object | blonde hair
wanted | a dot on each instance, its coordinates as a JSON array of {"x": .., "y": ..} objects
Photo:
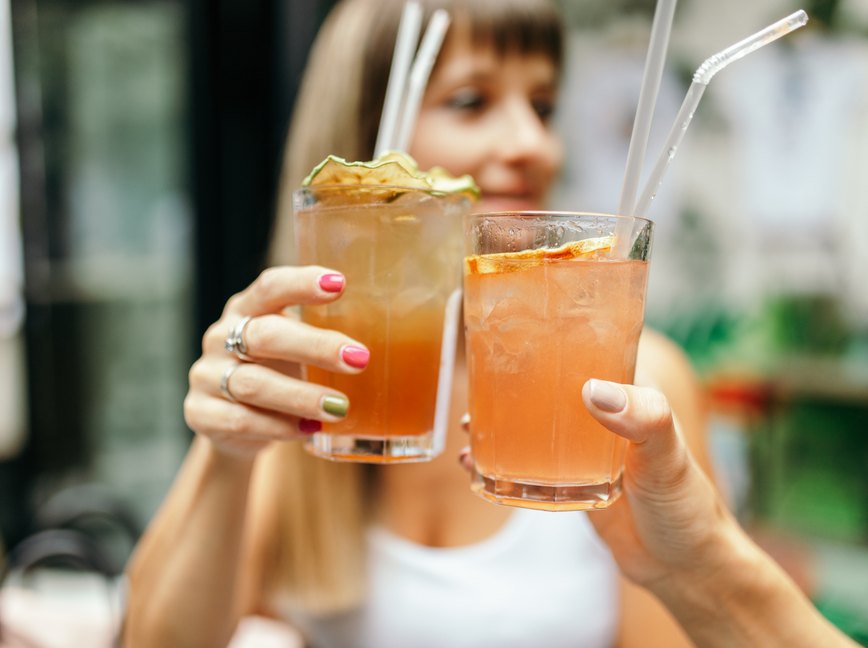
[
  {"x": 319, "y": 508},
  {"x": 342, "y": 91}
]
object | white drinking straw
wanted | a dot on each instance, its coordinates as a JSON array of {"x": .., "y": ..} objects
[
  {"x": 421, "y": 70},
  {"x": 402, "y": 56},
  {"x": 651, "y": 77},
  {"x": 701, "y": 78}
]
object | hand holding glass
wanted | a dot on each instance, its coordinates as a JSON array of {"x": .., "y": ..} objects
[{"x": 549, "y": 304}]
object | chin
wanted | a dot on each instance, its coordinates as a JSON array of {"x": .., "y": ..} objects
[{"x": 507, "y": 203}]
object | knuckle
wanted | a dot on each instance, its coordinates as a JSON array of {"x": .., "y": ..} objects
[
  {"x": 190, "y": 410},
  {"x": 243, "y": 384},
  {"x": 197, "y": 372},
  {"x": 232, "y": 303},
  {"x": 213, "y": 335},
  {"x": 239, "y": 423},
  {"x": 680, "y": 472},
  {"x": 658, "y": 410},
  {"x": 327, "y": 346},
  {"x": 267, "y": 281},
  {"x": 260, "y": 335}
]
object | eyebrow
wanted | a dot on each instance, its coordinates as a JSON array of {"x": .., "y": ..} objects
[{"x": 482, "y": 74}]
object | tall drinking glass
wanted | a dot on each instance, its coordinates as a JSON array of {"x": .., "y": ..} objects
[
  {"x": 400, "y": 250},
  {"x": 550, "y": 301}
]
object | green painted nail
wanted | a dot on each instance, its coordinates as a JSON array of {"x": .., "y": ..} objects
[{"x": 335, "y": 405}]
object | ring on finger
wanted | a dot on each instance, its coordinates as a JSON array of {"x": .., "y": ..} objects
[
  {"x": 235, "y": 340},
  {"x": 224, "y": 382}
]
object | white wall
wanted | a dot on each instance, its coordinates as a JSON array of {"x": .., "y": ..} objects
[{"x": 771, "y": 173}]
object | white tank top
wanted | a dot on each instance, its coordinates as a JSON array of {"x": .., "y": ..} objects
[{"x": 544, "y": 579}]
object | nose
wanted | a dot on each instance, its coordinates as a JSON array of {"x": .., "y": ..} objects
[{"x": 527, "y": 139}]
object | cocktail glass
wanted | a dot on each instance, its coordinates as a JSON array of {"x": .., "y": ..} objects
[
  {"x": 550, "y": 301},
  {"x": 400, "y": 250}
]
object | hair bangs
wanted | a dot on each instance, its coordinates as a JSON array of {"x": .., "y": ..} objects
[{"x": 513, "y": 26}]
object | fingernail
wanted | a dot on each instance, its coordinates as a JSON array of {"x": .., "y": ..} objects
[
  {"x": 607, "y": 396},
  {"x": 355, "y": 356},
  {"x": 309, "y": 426},
  {"x": 335, "y": 405},
  {"x": 332, "y": 282}
]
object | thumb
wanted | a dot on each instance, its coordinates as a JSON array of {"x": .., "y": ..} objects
[
  {"x": 641, "y": 415},
  {"x": 673, "y": 510}
]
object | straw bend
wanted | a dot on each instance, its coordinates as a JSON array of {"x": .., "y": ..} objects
[
  {"x": 714, "y": 64},
  {"x": 703, "y": 75}
]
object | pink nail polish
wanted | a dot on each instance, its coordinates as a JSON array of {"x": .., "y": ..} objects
[
  {"x": 309, "y": 426},
  {"x": 332, "y": 282},
  {"x": 355, "y": 356}
]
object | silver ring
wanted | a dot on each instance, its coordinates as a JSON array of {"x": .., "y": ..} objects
[
  {"x": 224, "y": 381},
  {"x": 235, "y": 340}
]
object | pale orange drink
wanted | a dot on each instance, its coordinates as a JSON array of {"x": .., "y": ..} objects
[
  {"x": 400, "y": 249},
  {"x": 550, "y": 301}
]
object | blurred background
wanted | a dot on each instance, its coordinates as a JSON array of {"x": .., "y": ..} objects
[{"x": 139, "y": 155}]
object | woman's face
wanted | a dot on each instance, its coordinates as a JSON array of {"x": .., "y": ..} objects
[{"x": 489, "y": 116}]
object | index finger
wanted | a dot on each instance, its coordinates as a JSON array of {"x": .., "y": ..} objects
[{"x": 282, "y": 286}]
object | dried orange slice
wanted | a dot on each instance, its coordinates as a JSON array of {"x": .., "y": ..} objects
[
  {"x": 511, "y": 261},
  {"x": 394, "y": 169}
]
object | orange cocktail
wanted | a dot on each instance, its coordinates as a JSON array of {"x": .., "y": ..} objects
[
  {"x": 550, "y": 301},
  {"x": 400, "y": 250}
]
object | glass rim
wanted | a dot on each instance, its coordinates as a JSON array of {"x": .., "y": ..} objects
[
  {"x": 555, "y": 214},
  {"x": 336, "y": 187}
]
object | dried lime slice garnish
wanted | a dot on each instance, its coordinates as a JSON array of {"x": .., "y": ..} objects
[
  {"x": 393, "y": 169},
  {"x": 501, "y": 262}
]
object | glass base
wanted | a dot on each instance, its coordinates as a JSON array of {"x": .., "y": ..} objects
[
  {"x": 396, "y": 449},
  {"x": 547, "y": 497}
]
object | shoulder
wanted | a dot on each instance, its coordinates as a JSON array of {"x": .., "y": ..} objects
[
  {"x": 660, "y": 358},
  {"x": 662, "y": 364}
]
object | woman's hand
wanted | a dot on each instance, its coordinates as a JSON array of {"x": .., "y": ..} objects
[
  {"x": 671, "y": 533},
  {"x": 263, "y": 397},
  {"x": 670, "y": 519},
  {"x": 669, "y": 516}
]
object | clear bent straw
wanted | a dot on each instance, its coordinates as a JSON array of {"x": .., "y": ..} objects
[
  {"x": 651, "y": 77},
  {"x": 402, "y": 57},
  {"x": 701, "y": 78}
]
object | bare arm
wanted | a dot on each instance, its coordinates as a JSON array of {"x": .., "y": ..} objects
[
  {"x": 193, "y": 574},
  {"x": 741, "y": 597},
  {"x": 184, "y": 574},
  {"x": 672, "y": 534}
]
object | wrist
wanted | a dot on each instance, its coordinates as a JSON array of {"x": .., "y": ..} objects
[
  {"x": 232, "y": 449},
  {"x": 723, "y": 583},
  {"x": 229, "y": 460},
  {"x": 739, "y": 596}
]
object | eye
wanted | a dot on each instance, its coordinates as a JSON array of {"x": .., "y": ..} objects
[
  {"x": 468, "y": 100},
  {"x": 544, "y": 108}
]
